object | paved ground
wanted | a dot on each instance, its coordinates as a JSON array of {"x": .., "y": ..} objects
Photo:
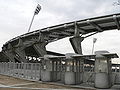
[{"x": 11, "y": 83}]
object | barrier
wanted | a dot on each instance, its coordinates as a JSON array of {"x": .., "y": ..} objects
[
  {"x": 33, "y": 71},
  {"x": 21, "y": 70}
]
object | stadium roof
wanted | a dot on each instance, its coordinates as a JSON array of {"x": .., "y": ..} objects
[{"x": 87, "y": 26}]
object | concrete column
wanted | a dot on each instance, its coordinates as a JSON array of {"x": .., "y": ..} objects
[
  {"x": 102, "y": 71},
  {"x": 20, "y": 51},
  {"x": 76, "y": 44},
  {"x": 40, "y": 48},
  {"x": 54, "y": 71},
  {"x": 119, "y": 68},
  {"x": 46, "y": 70},
  {"x": 9, "y": 53},
  {"x": 21, "y": 54},
  {"x": 70, "y": 78},
  {"x": 115, "y": 68}
]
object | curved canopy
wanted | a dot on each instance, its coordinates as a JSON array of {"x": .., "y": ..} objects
[{"x": 85, "y": 27}]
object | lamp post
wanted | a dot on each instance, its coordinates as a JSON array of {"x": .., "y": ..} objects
[
  {"x": 94, "y": 41},
  {"x": 37, "y": 10}
]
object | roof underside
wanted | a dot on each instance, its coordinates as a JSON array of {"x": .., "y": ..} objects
[{"x": 85, "y": 27}]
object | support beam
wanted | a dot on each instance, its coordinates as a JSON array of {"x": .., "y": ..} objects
[
  {"x": 40, "y": 45},
  {"x": 9, "y": 55},
  {"x": 20, "y": 51},
  {"x": 95, "y": 25},
  {"x": 8, "y": 52},
  {"x": 76, "y": 41},
  {"x": 40, "y": 49},
  {"x": 66, "y": 33},
  {"x": 91, "y": 34},
  {"x": 116, "y": 21},
  {"x": 81, "y": 30},
  {"x": 76, "y": 34},
  {"x": 40, "y": 38},
  {"x": 3, "y": 57},
  {"x": 76, "y": 44},
  {"x": 21, "y": 54}
]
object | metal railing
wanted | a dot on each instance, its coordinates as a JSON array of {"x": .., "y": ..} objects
[
  {"x": 21, "y": 70},
  {"x": 32, "y": 71}
]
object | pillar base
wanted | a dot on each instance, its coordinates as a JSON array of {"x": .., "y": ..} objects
[
  {"x": 48, "y": 76},
  {"x": 70, "y": 78},
  {"x": 102, "y": 80},
  {"x": 76, "y": 44},
  {"x": 117, "y": 79},
  {"x": 45, "y": 76}
]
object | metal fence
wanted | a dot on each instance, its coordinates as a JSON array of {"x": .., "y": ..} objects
[
  {"x": 21, "y": 70},
  {"x": 33, "y": 71}
]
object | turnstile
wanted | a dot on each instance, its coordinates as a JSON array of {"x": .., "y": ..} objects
[
  {"x": 103, "y": 69},
  {"x": 51, "y": 68},
  {"x": 73, "y": 70}
]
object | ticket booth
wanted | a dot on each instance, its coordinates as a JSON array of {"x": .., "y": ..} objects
[
  {"x": 51, "y": 67},
  {"x": 73, "y": 70},
  {"x": 103, "y": 69}
]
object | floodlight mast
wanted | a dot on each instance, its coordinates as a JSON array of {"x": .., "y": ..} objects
[
  {"x": 37, "y": 10},
  {"x": 94, "y": 41}
]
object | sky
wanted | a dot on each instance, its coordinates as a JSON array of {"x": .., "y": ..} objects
[{"x": 16, "y": 15}]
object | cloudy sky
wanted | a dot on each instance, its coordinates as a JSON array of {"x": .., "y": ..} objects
[{"x": 15, "y": 16}]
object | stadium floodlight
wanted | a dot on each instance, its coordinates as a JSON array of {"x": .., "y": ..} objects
[
  {"x": 37, "y": 10},
  {"x": 94, "y": 41}
]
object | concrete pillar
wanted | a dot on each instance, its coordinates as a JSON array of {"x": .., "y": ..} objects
[
  {"x": 119, "y": 68},
  {"x": 9, "y": 53},
  {"x": 102, "y": 70},
  {"x": 76, "y": 44},
  {"x": 21, "y": 54},
  {"x": 46, "y": 70},
  {"x": 40, "y": 48},
  {"x": 49, "y": 70},
  {"x": 73, "y": 72},
  {"x": 116, "y": 69},
  {"x": 54, "y": 71},
  {"x": 20, "y": 51},
  {"x": 70, "y": 78}
]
